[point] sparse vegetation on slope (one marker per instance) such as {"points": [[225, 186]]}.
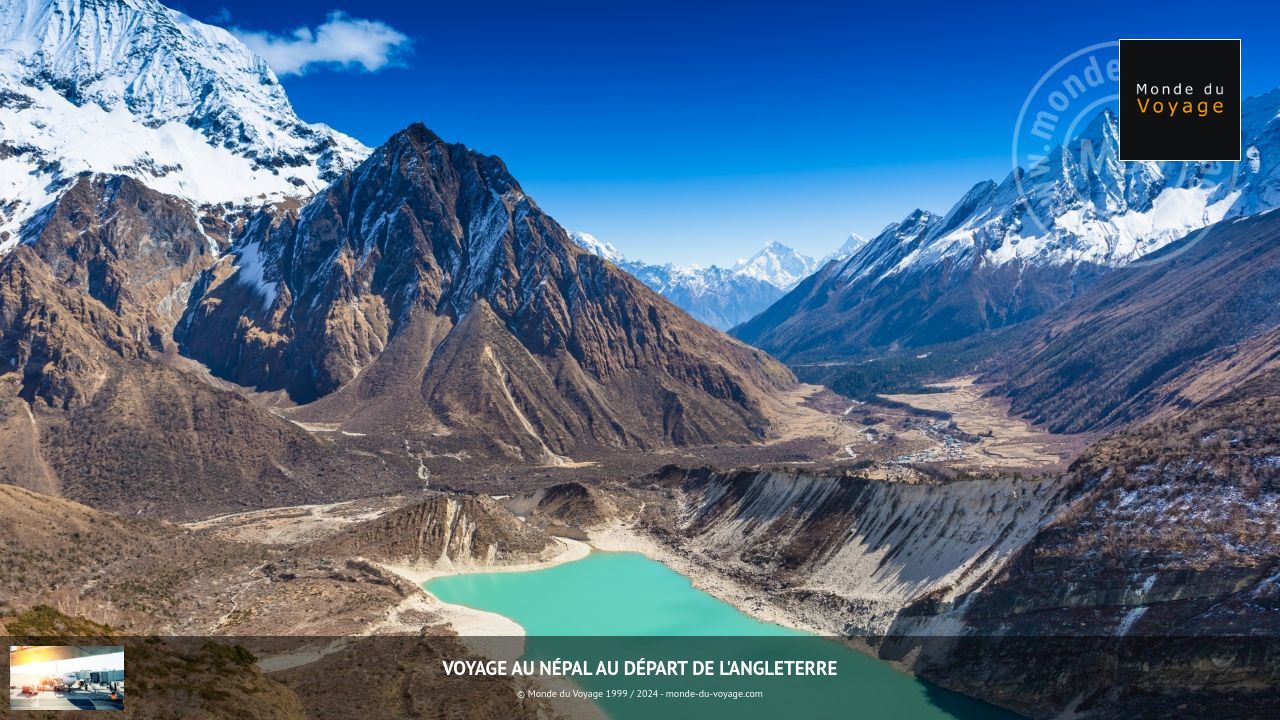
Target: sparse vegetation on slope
{"points": [[1136, 342]]}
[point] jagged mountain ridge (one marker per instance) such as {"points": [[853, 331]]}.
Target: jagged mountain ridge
{"points": [[996, 259], [429, 288], [132, 87]]}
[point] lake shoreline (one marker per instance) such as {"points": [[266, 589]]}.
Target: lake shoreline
{"points": [[616, 603], [470, 622], [746, 599]]}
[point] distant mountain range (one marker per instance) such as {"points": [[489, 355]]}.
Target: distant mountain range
{"points": [[1010, 251], [723, 297]]}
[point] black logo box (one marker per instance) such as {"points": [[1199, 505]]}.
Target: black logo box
{"points": [[1189, 66]]}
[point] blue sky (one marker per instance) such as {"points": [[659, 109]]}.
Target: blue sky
{"points": [[686, 132]]}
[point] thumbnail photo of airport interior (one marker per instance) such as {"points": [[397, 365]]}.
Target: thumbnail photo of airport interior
{"points": [[66, 677]]}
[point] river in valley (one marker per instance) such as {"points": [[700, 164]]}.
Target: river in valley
{"points": [[624, 606]]}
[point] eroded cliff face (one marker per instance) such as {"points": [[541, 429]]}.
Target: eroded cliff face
{"points": [[1145, 581], [1159, 579], [570, 508], [849, 553]]}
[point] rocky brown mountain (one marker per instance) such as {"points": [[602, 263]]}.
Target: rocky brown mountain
{"points": [[93, 401], [102, 278], [422, 296], [425, 293]]}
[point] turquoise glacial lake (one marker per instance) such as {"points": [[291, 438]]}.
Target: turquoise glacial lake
{"points": [[624, 606]]}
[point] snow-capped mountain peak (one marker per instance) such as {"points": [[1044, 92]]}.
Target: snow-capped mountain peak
{"points": [[132, 87], [1082, 204], [778, 265], [598, 247], [719, 297], [1009, 251]]}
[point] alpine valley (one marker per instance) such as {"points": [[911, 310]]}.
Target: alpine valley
{"points": [[260, 381]]}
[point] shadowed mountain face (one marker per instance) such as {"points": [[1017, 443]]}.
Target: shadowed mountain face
{"points": [[1183, 326], [878, 299], [426, 292]]}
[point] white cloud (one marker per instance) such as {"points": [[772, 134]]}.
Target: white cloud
{"points": [[341, 41]]}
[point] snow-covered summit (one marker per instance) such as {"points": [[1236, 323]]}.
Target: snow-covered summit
{"points": [[598, 247], [1082, 204], [133, 87], [725, 296], [778, 265], [720, 297], [775, 264], [1007, 252]]}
